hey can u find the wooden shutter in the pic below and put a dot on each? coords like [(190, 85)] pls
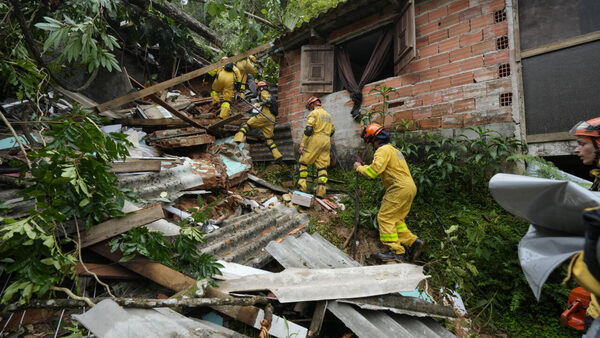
[(316, 67), (404, 37)]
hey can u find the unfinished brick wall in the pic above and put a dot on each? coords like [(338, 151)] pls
[(460, 77)]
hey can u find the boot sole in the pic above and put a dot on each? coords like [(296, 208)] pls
[(392, 260), (417, 252)]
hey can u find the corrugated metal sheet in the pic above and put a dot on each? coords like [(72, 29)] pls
[(315, 252), (283, 139), (243, 239), (109, 320), (299, 285)]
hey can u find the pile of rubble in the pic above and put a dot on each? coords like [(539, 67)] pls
[(276, 277)]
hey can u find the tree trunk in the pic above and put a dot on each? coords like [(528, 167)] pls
[(137, 303), (183, 18)]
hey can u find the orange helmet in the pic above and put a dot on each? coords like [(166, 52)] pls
[(261, 84), (373, 131), (589, 130), (313, 100)]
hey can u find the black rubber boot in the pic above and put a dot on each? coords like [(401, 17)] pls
[(415, 249), (390, 256)]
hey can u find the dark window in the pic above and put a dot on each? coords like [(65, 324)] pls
[(359, 51)]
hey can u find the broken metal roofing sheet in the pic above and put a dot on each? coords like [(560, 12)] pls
[(315, 252), (297, 285), (107, 320), (242, 239), (554, 208), (282, 138)]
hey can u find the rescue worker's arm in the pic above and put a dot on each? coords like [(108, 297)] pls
[(308, 130), (380, 161), (265, 98), (238, 79)]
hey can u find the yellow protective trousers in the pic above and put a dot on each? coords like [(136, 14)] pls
[(224, 83), (316, 152), (395, 205), (578, 269), (266, 127)]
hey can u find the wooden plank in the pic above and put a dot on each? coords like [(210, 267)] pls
[(166, 123), (225, 121), (167, 106), (160, 274), (538, 138), (117, 226), (106, 271), (317, 319), (264, 183), (134, 166), (551, 47), (177, 80), (178, 282)]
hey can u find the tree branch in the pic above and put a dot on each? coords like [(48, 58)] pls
[(12, 130), (135, 302), (182, 17), (30, 43), (253, 16)]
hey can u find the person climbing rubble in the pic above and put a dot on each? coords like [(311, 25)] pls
[(264, 119), (316, 145), (227, 80), (247, 67), (585, 265), (400, 190)]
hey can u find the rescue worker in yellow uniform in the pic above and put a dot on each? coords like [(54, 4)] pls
[(247, 66), (585, 265), (316, 145), (265, 120), (400, 190), (227, 80)]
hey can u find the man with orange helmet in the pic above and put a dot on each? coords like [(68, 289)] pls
[(400, 190), (265, 120), (316, 145), (585, 266), (227, 79)]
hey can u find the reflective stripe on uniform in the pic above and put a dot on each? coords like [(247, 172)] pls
[(303, 173), (225, 104), (401, 227), (388, 237), (323, 178), (370, 172)]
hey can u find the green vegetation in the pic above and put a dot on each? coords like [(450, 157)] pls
[(69, 180)]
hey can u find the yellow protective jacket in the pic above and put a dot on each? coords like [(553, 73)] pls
[(321, 122), (389, 163), (246, 67)]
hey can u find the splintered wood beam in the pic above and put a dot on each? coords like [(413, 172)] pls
[(117, 226), (223, 122), (104, 271), (156, 272), (180, 79), (166, 123), (167, 106), (135, 166)]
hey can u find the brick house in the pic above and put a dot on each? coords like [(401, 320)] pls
[(454, 63)]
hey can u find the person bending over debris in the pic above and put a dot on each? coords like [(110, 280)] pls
[(265, 120), (316, 145), (227, 79), (585, 266), (246, 66), (400, 190)]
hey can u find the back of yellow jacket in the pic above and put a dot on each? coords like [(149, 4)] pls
[(389, 163), (321, 122)]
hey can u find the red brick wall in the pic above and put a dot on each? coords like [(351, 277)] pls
[(454, 80)]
